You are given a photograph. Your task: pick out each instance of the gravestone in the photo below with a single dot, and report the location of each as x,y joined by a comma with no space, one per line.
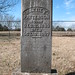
36,36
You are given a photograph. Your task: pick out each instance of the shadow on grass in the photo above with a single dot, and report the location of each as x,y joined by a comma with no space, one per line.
71,73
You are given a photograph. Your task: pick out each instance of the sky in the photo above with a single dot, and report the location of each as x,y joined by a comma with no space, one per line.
16,10
62,10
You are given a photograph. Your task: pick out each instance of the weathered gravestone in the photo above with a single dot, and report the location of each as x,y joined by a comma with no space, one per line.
36,38
36,41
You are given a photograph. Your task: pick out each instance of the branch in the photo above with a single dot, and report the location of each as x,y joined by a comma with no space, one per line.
5,5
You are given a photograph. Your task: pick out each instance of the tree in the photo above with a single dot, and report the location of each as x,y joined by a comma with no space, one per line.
62,29
7,20
53,28
59,29
18,29
5,5
1,27
5,28
69,29
18,24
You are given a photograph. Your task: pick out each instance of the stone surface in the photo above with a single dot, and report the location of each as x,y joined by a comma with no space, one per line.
36,37
18,72
34,74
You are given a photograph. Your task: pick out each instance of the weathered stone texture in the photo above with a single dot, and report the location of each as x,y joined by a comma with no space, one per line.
36,41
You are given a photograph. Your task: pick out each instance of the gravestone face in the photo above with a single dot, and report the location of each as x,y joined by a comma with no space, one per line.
36,38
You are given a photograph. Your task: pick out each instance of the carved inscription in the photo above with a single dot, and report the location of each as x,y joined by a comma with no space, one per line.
36,22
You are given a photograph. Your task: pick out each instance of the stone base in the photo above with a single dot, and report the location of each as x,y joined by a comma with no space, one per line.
18,72
34,74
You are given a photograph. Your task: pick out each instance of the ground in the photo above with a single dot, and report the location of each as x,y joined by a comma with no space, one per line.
63,54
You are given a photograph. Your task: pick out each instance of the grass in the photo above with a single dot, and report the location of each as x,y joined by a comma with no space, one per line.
63,54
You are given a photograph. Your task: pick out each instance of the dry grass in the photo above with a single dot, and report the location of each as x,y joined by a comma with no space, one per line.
63,56
54,33
9,54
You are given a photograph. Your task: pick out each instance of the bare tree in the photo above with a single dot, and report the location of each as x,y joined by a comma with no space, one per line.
5,5
9,18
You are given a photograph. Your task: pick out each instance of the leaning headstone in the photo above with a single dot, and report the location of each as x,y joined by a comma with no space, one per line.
36,38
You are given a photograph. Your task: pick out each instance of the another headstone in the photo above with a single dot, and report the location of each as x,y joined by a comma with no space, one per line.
36,37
